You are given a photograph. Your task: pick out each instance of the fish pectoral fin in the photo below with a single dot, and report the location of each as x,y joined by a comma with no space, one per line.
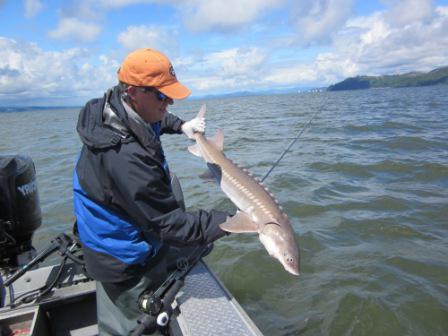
218,140
195,150
208,176
241,222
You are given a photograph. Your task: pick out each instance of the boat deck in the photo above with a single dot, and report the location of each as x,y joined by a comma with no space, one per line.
205,305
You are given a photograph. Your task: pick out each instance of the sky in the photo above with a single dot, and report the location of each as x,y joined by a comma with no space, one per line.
67,52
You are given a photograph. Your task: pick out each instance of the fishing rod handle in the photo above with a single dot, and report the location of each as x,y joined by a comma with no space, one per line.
172,292
145,323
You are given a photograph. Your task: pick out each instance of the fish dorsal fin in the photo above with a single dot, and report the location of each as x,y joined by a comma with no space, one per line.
218,140
202,111
195,150
241,222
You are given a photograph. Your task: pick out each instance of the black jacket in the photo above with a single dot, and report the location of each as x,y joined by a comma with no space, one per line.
123,196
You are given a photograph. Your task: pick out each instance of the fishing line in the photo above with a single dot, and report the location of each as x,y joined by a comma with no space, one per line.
294,141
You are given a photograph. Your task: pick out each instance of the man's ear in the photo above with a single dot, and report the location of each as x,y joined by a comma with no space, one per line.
132,91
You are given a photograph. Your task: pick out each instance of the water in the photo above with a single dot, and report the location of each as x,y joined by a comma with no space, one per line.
366,188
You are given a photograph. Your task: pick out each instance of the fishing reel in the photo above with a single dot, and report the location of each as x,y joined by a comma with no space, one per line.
157,309
150,304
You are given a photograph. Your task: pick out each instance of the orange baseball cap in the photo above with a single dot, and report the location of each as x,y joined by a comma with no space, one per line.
150,68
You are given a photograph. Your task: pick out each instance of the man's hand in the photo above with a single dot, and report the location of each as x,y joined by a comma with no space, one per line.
196,125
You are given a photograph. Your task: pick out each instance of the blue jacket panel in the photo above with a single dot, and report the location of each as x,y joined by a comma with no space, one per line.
103,231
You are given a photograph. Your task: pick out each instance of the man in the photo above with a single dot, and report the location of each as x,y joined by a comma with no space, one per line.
125,209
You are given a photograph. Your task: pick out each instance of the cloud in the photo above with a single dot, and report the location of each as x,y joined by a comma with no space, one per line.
223,15
197,15
404,12
421,44
148,36
317,21
93,10
292,75
225,70
32,7
27,72
123,3
325,68
442,11
235,62
71,28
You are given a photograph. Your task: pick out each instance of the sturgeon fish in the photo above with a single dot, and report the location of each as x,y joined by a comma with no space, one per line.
258,209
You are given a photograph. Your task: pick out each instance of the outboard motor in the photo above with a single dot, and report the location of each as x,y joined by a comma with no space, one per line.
20,213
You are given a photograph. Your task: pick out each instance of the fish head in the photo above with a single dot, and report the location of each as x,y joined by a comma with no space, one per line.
280,244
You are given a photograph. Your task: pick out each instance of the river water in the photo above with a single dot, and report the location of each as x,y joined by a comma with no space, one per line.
365,186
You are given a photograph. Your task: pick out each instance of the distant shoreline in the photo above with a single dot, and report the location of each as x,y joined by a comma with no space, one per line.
6,109
438,76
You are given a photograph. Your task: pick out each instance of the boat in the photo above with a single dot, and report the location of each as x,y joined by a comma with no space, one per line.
60,299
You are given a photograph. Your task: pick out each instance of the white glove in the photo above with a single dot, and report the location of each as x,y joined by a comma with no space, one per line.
196,125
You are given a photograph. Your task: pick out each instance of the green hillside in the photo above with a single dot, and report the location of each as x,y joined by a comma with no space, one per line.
434,77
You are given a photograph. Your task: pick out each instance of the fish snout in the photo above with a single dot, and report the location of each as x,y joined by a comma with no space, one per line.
291,263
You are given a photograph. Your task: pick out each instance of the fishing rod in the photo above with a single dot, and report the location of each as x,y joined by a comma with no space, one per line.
292,143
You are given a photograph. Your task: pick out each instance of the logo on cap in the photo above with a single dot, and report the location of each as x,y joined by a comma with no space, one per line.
172,73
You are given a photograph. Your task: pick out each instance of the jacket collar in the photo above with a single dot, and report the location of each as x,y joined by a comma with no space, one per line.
120,116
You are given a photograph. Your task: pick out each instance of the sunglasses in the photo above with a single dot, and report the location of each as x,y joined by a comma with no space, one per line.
159,95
